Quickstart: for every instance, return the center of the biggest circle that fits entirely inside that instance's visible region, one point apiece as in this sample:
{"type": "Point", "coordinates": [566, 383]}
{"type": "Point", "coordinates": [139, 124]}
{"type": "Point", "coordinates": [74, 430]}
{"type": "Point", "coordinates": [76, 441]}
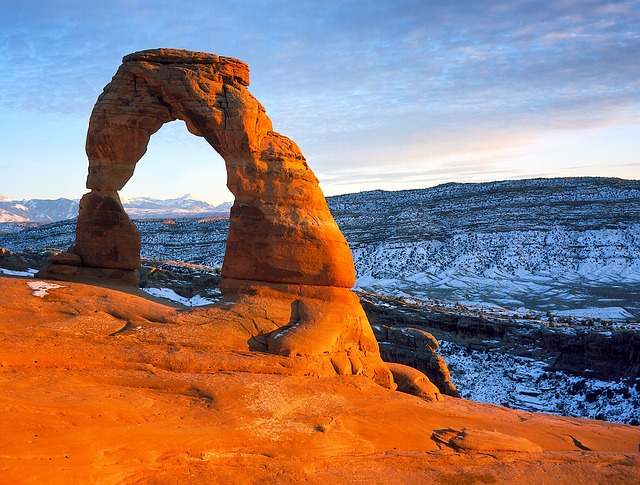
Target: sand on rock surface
{"type": "Point", "coordinates": [99, 385]}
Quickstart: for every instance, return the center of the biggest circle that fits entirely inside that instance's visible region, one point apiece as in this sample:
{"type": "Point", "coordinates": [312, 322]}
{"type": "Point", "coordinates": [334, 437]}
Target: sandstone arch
{"type": "Point", "coordinates": [280, 229]}
{"type": "Point", "coordinates": [287, 268]}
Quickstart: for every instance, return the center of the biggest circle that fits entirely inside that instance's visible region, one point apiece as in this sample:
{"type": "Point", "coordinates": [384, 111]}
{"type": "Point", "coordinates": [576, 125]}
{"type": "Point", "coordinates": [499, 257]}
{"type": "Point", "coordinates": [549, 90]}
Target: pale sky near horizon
{"type": "Point", "coordinates": [387, 95]}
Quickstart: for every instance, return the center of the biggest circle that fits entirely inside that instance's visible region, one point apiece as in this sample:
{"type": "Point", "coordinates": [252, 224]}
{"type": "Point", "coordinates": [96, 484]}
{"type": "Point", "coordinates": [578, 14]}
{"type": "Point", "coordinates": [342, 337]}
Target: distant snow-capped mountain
{"type": "Point", "coordinates": [185, 206]}
{"type": "Point", "coordinates": [46, 210]}
{"type": "Point", "coordinates": [37, 210]}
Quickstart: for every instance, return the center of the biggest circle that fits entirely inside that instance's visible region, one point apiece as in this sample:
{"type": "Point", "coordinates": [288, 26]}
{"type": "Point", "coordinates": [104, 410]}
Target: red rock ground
{"type": "Point", "coordinates": [101, 385]}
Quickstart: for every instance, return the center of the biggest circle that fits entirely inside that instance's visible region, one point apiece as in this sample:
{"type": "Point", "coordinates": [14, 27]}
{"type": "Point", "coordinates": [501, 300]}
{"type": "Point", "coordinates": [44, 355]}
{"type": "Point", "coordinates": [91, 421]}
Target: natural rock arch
{"type": "Point", "coordinates": [287, 268]}
{"type": "Point", "coordinates": [280, 229]}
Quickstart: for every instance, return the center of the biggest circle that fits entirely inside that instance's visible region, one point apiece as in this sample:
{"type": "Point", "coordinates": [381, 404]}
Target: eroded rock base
{"type": "Point", "coordinates": [307, 320]}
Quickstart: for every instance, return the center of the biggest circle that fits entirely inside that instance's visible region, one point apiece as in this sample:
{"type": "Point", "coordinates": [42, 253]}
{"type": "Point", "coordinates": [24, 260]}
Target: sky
{"type": "Point", "coordinates": [390, 95]}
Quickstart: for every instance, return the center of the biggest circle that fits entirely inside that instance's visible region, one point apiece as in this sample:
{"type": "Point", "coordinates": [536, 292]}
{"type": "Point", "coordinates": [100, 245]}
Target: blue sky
{"type": "Point", "coordinates": [378, 94]}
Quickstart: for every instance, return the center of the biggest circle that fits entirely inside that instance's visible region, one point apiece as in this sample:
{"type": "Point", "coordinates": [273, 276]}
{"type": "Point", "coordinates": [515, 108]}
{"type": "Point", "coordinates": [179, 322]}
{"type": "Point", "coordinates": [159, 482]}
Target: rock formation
{"type": "Point", "coordinates": [283, 243]}
{"type": "Point", "coordinates": [414, 382]}
{"type": "Point", "coordinates": [281, 229]}
{"type": "Point", "coordinates": [106, 386]}
{"type": "Point", "coordinates": [212, 393]}
{"type": "Point", "coordinates": [416, 349]}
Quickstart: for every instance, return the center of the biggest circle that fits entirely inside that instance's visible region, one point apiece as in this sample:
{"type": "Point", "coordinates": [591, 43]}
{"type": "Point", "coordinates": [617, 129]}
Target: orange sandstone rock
{"type": "Point", "coordinates": [285, 253]}
{"type": "Point", "coordinates": [107, 386]}
{"type": "Point", "coordinates": [322, 322]}
{"type": "Point", "coordinates": [105, 236]}
{"type": "Point", "coordinates": [281, 229]}
{"type": "Point", "coordinates": [412, 381]}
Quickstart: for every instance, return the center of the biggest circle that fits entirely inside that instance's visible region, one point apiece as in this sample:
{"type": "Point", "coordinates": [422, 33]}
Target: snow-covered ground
{"type": "Point", "coordinates": [41, 288]}
{"type": "Point", "coordinates": [10, 272]}
{"type": "Point", "coordinates": [525, 383]}
{"type": "Point", "coordinates": [594, 272]}
{"type": "Point", "coordinates": [546, 244]}
{"type": "Point", "coordinates": [171, 295]}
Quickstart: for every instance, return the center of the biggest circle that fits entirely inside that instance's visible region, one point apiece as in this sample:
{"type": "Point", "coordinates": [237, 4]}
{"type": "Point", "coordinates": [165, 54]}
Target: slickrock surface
{"type": "Point", "coordinates": [280, 230]}
{"type": "Point", "coordinates": [106, 386]}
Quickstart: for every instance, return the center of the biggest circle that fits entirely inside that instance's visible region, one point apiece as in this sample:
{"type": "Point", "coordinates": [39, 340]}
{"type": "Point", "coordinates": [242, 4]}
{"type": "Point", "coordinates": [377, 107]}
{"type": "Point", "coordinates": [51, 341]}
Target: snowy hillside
{"type": "Point", "coordinates": [527, 383]}
{"type": "Point", "coordinates": [37, 210]}
{"type": "Point", "coordinates": [562, 245]}
{"type": "Point", "coordinates": [570, 245]}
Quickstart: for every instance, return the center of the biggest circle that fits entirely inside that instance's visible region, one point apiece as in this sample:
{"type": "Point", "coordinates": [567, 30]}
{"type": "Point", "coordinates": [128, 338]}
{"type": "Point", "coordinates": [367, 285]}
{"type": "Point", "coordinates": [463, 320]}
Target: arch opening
{"type": "Point", "coordinates": [177, 163]}
{"type": "Point", "coordinates": [182, 245]}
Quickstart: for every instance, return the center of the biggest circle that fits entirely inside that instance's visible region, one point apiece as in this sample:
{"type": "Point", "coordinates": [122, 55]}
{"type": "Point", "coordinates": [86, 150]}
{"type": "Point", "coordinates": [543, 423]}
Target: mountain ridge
{"type": "Point", "coordinates": [54, 210]}
{"type": "Point", "coordinates": [44, 210]}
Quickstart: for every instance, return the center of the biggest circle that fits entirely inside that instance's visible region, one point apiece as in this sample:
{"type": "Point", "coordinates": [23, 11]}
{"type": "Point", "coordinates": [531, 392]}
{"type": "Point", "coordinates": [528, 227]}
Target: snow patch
{"type": "Point", "coordinates": [9, 272]}
{"type": "Point", "coordinates": [171, 295]}
{"type": "Point", "coordinates": [40, 288]}
{"type": "Point", "coordinates": [610, 313]}
{"type": "Point", "coordinates": [286, 330]}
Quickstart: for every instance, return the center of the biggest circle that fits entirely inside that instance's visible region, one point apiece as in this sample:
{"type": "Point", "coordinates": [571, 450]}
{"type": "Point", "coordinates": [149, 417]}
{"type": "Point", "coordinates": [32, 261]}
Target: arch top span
{"type": "Point", "coordinates": [227, 66]}
{"type": "Point", "coordinates": [158, 86]}
{"type": "Point", "coordinates": [280, 230]}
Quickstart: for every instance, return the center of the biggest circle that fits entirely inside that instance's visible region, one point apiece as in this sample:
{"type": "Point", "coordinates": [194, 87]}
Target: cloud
{"type": "Point", "coordinates": [364, 83]}
{"type": "Point", "coordinates": [470, 170]}
{"type": "Point", "coordinates": [356, 57]}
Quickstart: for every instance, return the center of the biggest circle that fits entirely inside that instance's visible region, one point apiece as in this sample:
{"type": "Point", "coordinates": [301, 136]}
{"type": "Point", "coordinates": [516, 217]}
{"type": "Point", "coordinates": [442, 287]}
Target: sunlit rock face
{"type": "Point", "coordinates": [287, 269]}
{"type": "Point", "coordinates": [281, 229]}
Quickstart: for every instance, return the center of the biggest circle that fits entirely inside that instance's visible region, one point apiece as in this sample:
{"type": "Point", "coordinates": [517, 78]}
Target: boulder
{"type": "Point", "coordinates": [418, 349]}
{"type": "Point", "coordinates": [486, 441]}
{"type": "Point", "coordinates": [412, 381]}
{"type": "Point", "coordinates": [66, 258]}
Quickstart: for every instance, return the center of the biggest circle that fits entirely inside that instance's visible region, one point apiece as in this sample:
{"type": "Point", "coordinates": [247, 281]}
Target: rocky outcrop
{"type": "Point", "coordinates": [24, 260]}
{"type": "Point", "coordinates": [417, 349]}
{"type": "Point", "coordinates": [105, 236]}
{"type": "Point", "coordinates": [414, 382]}
{"type": "Point", "coordinates": [284, 251]}
{"type": "Point", "coordinates": [484, 441]}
